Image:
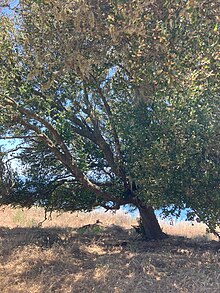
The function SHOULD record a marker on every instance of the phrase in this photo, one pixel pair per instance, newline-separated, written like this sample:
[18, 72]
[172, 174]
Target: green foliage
[114, 102]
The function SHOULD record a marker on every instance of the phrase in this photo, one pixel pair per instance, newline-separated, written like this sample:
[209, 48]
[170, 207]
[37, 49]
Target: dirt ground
[96, 258]
[75, 253]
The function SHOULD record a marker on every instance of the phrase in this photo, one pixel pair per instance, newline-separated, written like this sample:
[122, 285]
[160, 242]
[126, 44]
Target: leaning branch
[65, 157]
[72, 166]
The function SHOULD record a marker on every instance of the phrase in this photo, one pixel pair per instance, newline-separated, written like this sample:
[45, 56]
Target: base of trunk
[150, 225]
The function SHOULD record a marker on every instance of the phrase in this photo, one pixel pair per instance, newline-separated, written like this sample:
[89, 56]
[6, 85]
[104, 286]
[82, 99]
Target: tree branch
[65, 157]
[99, 140]
[114, 207]
[19, 137]
[121, 169]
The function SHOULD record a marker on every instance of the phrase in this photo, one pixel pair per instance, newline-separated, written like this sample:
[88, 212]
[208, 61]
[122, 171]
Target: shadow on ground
[94, 258]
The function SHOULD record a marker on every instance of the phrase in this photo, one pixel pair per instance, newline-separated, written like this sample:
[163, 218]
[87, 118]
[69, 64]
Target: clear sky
[7, 10]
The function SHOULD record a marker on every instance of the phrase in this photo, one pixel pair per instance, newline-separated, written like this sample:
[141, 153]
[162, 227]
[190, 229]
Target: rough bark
[150, 224]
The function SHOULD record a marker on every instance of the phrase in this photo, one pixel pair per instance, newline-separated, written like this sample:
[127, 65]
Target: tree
[6, 177]
[113, 103]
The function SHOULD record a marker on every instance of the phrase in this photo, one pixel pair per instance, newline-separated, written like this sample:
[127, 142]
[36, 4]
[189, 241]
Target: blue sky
[13, 4]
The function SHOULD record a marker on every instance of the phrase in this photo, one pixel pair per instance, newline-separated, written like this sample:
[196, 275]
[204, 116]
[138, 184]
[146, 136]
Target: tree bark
[149, 223]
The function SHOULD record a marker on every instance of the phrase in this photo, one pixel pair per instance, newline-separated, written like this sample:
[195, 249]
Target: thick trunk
[150, 224]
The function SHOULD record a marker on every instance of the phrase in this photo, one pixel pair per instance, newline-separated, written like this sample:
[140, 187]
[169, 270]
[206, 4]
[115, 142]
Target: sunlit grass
[36, 217]
[66, 256]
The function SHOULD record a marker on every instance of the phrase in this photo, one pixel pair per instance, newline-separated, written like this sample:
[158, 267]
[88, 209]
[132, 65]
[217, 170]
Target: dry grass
[32, 217]
[62, 257]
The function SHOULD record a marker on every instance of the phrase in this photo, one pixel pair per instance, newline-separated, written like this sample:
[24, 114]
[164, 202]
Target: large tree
[113, 103]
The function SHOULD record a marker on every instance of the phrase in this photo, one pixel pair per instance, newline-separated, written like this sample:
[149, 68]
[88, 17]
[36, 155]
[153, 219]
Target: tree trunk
[149, 223]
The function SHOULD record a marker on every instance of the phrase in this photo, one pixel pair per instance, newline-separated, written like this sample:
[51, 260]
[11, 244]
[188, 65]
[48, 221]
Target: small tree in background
[114, 103]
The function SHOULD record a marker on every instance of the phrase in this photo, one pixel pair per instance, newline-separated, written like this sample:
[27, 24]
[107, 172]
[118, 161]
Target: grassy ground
[72, 253]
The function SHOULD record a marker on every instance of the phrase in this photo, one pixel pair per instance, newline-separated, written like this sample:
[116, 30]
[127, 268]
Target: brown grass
[67, 256]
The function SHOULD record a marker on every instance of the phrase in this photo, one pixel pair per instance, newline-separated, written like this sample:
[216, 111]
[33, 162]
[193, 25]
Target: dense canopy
[113, 103]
